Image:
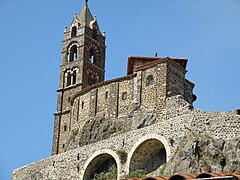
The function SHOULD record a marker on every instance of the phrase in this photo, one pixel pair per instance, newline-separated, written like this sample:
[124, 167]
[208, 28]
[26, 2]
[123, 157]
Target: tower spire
[85, 16]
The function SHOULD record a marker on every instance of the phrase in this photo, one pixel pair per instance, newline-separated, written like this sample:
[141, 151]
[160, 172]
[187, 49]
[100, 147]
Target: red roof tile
[192, 176]
[183, 176]
[136, 62]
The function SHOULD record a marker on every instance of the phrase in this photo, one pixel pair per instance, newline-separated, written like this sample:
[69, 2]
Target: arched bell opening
[93, 57]
[73, 53]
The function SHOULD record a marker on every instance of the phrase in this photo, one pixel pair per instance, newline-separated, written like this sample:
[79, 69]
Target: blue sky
[206, 32]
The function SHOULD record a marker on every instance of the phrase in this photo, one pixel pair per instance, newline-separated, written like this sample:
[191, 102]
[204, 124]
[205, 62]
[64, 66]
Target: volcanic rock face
[205, 154]
[100, 127]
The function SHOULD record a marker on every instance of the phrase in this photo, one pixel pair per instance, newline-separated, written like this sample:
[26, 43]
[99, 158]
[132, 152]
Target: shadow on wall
[102, 166]
[148, 156]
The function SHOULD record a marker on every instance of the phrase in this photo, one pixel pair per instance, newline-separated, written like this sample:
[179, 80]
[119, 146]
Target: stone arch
[96, 161]
[72, 51]
[149, 153]
[93, 54]
[71, 76]
[93, 47]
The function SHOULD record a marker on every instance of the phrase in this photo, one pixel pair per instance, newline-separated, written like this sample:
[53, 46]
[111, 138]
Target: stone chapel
[143, 121]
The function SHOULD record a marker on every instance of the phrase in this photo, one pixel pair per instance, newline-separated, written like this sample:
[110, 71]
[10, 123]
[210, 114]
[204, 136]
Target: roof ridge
[148, 57]
[149, 64]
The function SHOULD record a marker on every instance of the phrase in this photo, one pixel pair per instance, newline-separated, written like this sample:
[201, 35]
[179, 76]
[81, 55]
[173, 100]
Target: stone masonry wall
[72, 164]
[115, 98]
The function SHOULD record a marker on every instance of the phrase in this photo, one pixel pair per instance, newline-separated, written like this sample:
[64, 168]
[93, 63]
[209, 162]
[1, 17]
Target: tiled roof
[222, 175]
[147, 62]
[150, 61]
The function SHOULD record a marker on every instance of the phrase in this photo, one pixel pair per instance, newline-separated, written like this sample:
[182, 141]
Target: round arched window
[149, 80]
[73, 53]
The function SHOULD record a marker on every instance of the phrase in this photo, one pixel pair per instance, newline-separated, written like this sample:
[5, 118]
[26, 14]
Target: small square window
[124, 96]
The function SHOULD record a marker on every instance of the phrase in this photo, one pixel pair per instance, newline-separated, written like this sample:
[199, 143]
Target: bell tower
[83, 64]
[84, 47]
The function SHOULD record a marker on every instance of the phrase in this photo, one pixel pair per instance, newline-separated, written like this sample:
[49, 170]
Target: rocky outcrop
[197, 154]
[188, 149]
[100, 127]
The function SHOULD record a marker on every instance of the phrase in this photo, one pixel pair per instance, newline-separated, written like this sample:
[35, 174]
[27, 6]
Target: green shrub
[162, 169]
[111, 174]
[121, 152]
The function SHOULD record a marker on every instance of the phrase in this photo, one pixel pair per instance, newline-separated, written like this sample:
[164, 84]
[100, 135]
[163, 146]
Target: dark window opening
[63, 146]
[82, 104]
[78, 168]
[124, 96]
[73, 53]
[106, 95]
[74, 77]
[68, 79]
[78, 157]
[65, 128]
[149, 81]
[74, 31]
[92, 57]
